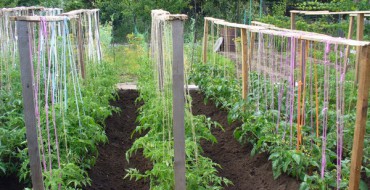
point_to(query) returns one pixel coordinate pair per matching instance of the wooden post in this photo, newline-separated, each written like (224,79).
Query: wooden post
(359,37)
(29,104)
(178,102)
(205,40)
(349,36)
(292,21)
(244,62)
(361,117)
(81,50)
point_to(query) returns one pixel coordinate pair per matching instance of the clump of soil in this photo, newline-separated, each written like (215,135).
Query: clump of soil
(110,166)
(245,171)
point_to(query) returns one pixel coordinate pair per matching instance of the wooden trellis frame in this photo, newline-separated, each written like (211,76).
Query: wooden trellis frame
(177,22)
(359,32)
(363,83)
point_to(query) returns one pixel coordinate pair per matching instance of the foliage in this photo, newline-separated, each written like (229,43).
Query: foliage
(335,5)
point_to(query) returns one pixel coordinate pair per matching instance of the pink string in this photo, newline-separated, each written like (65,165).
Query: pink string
(46,87)
(325,109)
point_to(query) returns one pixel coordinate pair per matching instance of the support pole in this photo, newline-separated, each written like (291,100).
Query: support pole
(292,21)
(205,40)
(178,103)
(359,37)
(244,62)
(349,36)
(29,104)
(361,117)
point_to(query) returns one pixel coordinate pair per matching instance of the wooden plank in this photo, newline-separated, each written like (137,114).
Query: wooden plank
(81,51)
(328,12)
(349,36)
(244,42)
(359,37)
(80,11)
(292,20)
(361,118)
(38,18)
(310,36)
(366,15)
(178,103)
(29,104)
(22,9)
(205,40)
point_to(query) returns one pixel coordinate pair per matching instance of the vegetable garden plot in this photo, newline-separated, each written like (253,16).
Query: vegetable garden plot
(300,99)
(68,129)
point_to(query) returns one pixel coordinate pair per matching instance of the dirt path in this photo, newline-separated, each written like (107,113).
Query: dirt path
(110,166)
(246,172)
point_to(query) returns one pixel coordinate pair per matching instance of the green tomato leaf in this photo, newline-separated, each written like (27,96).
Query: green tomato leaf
(296,158)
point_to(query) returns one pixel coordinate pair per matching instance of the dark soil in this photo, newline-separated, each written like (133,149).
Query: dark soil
(110,166)
(10,183)
(244,171)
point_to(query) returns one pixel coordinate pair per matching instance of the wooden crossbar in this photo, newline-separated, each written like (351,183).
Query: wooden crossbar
(38,18)
(80,11)
(21,9)
(270,29)
(354,13)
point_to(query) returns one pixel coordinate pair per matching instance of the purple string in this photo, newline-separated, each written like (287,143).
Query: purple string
(45,35)
(340,113)
(325,109)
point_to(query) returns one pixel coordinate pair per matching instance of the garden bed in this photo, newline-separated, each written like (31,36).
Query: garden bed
(244,171)
(110,166)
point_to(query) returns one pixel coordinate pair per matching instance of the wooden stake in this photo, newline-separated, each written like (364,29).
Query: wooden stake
(292,20)
(350,33)
(178,102)
(361,118)
(244,63)
(359,37)
(205,40)
(29,104)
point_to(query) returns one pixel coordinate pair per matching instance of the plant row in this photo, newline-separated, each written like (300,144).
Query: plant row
(265,126)
(79,127)
(157,144)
